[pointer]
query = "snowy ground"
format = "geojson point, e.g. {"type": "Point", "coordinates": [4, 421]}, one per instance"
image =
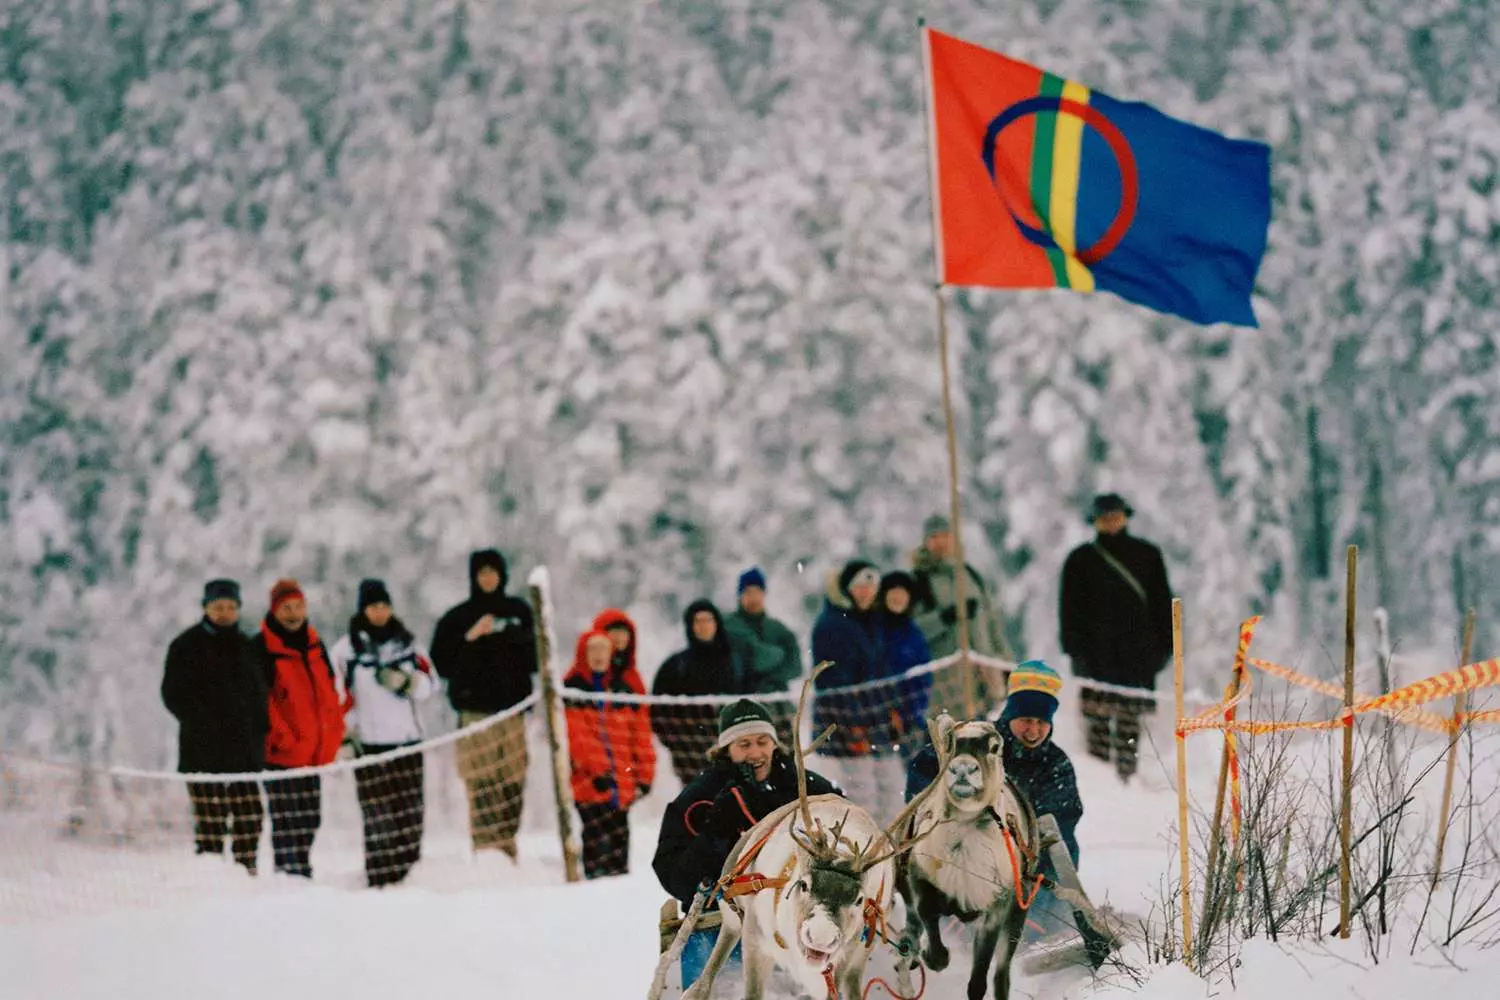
{"type": "Point", "coordinates": [215, 933]}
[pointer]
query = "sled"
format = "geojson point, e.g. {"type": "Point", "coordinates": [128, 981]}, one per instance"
{"type": "Point", "coordinates": [1098, 928]}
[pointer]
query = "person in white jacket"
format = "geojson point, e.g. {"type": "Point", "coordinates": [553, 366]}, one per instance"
{"type": "Point", "coordinates": [385, 673]}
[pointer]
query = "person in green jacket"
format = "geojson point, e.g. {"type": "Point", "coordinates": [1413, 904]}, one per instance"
{"type": "Point", "coordinates": [769, 650]}
{"type": "Point", "coordinates": [935, 606]}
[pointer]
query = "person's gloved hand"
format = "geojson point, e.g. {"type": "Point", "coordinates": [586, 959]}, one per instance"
{"type": "Point", "coordinates": [393, 679]}
{"type": "Point", "coordinates": [603, 783]}
{"type": "Point", "coordinates": [726, 818]}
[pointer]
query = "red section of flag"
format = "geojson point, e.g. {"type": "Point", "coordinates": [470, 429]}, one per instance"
{"type": "Point", "coordinates": [977, 241]}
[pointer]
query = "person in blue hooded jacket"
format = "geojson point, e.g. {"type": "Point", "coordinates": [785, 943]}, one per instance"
{"type": "Point", "coordinates": [905, 650]}
{"type": "Point", "coordinates": [849, 633]}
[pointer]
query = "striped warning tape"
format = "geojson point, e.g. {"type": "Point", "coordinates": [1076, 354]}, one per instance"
{"type": "Point", "coordinates": [1401, 704]}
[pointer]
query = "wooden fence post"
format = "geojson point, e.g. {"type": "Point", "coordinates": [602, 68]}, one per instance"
{"type": "Point", "coordinates": [1346, 804]}
{"type": "Point", "coordinates": [1182, 790]}
{"type": "Point", "coordinates": [540, 583]}
{"type": "Point", "coordinates": [1460, 705]}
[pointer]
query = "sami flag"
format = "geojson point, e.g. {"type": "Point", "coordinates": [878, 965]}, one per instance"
{"type": "Point", "coordinates": [1040, 182]}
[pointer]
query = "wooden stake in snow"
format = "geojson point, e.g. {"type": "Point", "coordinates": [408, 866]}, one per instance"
{"type": "Point", "coordinates": [1346, 802]}
{"type": "Point", "coordinates": [1182, 789]}
{"type": "Point", "coordinates": [1460, 706]}
{"type": "Point", "coordinates": [541, 606]}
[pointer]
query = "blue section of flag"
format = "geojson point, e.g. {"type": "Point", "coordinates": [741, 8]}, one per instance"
{"type": "Point", "coordinates": [1199, 231]}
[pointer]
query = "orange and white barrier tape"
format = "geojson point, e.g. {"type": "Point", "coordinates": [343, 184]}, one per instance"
{"type": "Point", "coordinates": [1401, 704]}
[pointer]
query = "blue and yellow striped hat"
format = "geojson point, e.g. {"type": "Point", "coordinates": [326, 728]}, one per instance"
{"type": "Point", "coordinates": [1032, 692]}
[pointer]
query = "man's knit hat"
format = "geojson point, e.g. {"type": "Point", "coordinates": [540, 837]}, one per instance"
{"type": "Point", "coordinates": [284, 590]}
{"type": "Point", "coordinates": [372, 592]}
{"type": "Point", "coordinates": [221, 590]}
{"type": "Point", "coordinates": [752, 577]}
{"type": "Point", "coordinates": [1032, 692]}
{"type": "Point", "coordinates": [743, 718]}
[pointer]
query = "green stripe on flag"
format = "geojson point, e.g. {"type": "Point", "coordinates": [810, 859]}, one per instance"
{"type": "Point", "coordinates": [1041, 172]}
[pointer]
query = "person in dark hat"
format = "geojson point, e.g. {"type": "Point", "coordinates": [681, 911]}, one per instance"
{"type": "Point", "coordinates": [773, 658]}
{"type": "Point", "coordinates": [905, 650]}
{"type": "Point", "coordinates": [217, 692]}
{"type": "Point", "coordinates": [769, 650]}
{"type": "Point", "coordinates": [749, 775]}
{"type": "Point", "coordinates": [1115, 610]}
{"type": "Point", "coordinates": [485, 648]}
{"type": "Point", "coordinates": [386, 673]}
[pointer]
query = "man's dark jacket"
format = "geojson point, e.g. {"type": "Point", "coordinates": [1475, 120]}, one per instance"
{"type": "Point", "coordinates": [214, 686]}
{"type": "Point", "coordinates": [689, 851]}
{"type": "Point", "coordinates": [1112, 632]}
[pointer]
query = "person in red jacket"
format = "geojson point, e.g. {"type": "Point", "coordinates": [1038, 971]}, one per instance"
{"type": "Point", "coordinates": [621, 631]}
{"type": "Point", "coordinates": [307, 723]}
{"type": "Point", "coordinates": [609, 742]}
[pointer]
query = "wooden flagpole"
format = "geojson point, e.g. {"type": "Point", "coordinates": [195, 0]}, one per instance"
{"type": "Point", "coordinates": [955, 515]}
{"type": "Point", "coordinates": [960, 566]}
{"type": "Point", "coordinates": [1460, 705]}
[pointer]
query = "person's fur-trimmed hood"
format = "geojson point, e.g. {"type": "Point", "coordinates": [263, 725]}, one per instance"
{"type": "Point", "coordinates": [834, 593]}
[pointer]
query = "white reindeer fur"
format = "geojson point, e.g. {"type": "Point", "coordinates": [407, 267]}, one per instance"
{"type": "Point", "coordinates": [763, 918]}
{"type": "Point", "coordinates": [966, 860]}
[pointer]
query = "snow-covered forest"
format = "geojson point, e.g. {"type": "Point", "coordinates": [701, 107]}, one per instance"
{"type": "Point", "coordinates": [642, 291]}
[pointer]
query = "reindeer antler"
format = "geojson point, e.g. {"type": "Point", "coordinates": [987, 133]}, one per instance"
{"type": "Point", "coordinates": [816, 842]}
{"type": "Point", "coordinates": [938, 730]}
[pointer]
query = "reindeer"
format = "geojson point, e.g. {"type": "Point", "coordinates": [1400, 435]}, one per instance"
{"type": "Point", "coordinates": [981, 867]}
{"type": "Point", "coordinates": [819, 916]}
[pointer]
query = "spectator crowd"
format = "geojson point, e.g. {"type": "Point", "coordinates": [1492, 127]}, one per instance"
{"type": "Point", "coordinates": [270, 707]}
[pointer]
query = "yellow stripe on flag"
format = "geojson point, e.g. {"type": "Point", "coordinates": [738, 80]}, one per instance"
{"type": "Point", "coordinates": [1067, 160]}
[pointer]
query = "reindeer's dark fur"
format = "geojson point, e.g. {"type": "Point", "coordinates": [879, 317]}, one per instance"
{"type": "Point", "coordinates": [965, 871]}
{"type": "Point", "coordinates": [836, 886]}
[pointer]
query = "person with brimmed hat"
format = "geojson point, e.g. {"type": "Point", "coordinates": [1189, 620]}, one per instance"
{"type": "Point", "coordinates": [749, 775]}
{"type": "Point", "coordinates": [1115, 612]}
{"type": "Point", "coordinates": [217, 692]}
{"type": "Point", "coordinates": [1038, 766]}
{"type": "Point", "coordinates": [386, 674]}
{"type": "Point", "coordinates": [936, 612]}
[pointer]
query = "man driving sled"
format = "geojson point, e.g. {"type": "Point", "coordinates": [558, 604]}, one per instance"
{"type": "Point", "coordinates": [749, 775]}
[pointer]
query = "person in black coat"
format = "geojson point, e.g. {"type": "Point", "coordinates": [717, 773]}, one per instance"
{"type": "Point", "coordinates": [709, 665]}
{"type": "Point", "coordinates": [1115, 608]}
{"type": "Point", "coordinates": [214, 687]}
{"type": "Point", "coordinates": [485, 648]}
{"type": "Point", "coordinates": [748, 775]}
